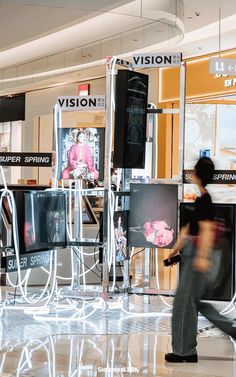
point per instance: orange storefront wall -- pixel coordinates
(200, 86)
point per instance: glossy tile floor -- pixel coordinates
(116, 345)
(115, 355)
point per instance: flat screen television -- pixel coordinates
(81, 153)
(131, 102)
(224, 285)
(153, 215)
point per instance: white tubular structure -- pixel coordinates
(21, 282)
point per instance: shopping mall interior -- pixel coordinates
(118, 188)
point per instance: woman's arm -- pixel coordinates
(88, 158)
(73, 157)
(184, 232)
(204, 246)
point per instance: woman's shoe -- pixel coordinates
(172, 358)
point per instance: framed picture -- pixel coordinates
(88, 215)
(153, 215)
(121, 235)
(44, 220)
(81, 153)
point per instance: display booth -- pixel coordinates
(140, 213)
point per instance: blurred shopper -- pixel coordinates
(197, 271)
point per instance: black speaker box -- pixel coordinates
(130, 119)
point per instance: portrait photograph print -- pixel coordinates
(121, 235)
(153, 215)
(81, 153)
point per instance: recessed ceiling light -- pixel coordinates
(135, 40)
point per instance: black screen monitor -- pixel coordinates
(12, 108)
(130, 119)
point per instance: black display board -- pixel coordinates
(12, 108)
(224, 286)
(130, 119)
(153, 215)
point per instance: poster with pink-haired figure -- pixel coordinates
(153, 215)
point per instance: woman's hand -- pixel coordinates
(201, 264)
(173, 253)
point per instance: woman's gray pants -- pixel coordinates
(191, 289)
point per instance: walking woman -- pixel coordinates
(196, 239)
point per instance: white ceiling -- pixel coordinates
(43, 30)
(88, 28)
(22, 21)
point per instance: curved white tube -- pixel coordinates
(39, 317)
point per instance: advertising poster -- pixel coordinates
(153, 215)
(81, 153)
(45, 221)
(210, 131)
(121, 235)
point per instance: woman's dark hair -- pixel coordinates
(79, 133)
(204, 170)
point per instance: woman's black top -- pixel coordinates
(203, 210)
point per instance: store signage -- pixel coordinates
(220, 177)
(157, 60)
(222, 66)
(26, 159)
(227, 82)
(81, 103)
(230, 82)
(27, 261)
(83, 89)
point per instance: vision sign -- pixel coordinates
(157, 60)
(81, 103)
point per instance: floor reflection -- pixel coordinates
(112, 355)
